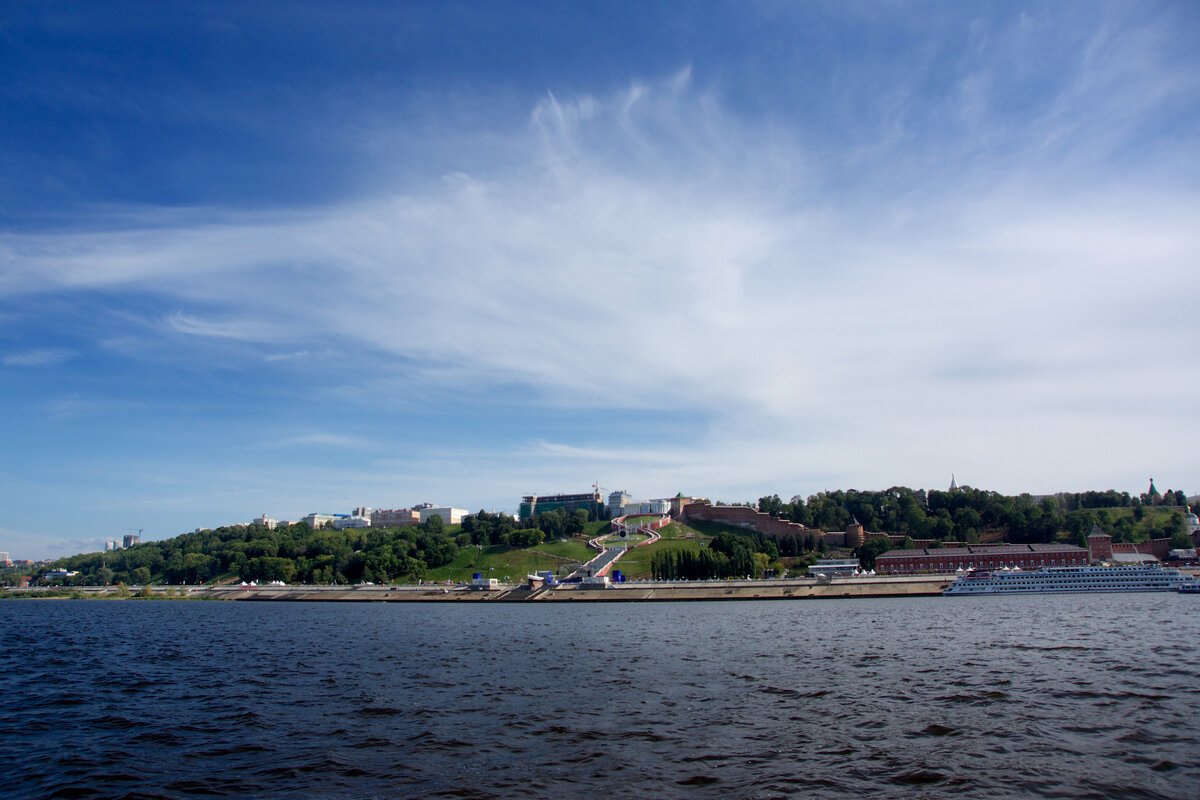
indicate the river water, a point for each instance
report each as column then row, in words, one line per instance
column 1078, row 696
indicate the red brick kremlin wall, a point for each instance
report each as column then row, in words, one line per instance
column 746, row 517
column 1159, row 548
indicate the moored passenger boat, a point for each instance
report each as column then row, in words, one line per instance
column 1050, row 580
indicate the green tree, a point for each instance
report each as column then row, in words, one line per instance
column 1180, row 540
column 1122, row 530
column 943, row 525
column 525, row 537
column 272, row 569
column 1168, row 527
column 770, row 505
column 553, row 523
column 799, row 513
column 576, row 522
column 871, row 549
column 737, row 549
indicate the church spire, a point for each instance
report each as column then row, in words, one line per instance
column 954, row 486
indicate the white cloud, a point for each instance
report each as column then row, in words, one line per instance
column 320, row 439
column 299, row 354
column 41, row 357
column 250, row 330
column 651, row 250
column 35, row 546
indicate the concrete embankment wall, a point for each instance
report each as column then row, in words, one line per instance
column 756, row 590
column 631, row 592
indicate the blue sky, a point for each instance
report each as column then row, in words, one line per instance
column 296, row 257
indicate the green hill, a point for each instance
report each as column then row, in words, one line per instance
column 492, row 544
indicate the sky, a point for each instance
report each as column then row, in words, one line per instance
column 281, row 258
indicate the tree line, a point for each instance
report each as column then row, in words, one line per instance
column 298, row 554
column 965, row 514
column 728, row 555
column 500, row 529
column 292, row 553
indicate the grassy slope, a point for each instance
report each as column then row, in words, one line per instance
column 636, row 564
column 1154, row 514
column 573, row 549
column 643, row 519
column 499, row 561
column 676, row 536
column 691, row 530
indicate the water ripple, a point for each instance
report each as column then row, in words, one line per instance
column 996, row 697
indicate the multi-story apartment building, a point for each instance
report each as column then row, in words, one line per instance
column 531, row 504
column 394, row 517
column 449, row 515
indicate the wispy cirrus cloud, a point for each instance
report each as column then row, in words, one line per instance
column 598, row 455
column 321, row 439
column 298, row 354
column 970, row 251
column 252, row 330
column 647, row 229
column 41, row 357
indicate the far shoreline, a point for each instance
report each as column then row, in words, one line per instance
column 640, row 591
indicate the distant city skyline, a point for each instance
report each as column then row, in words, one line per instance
column 268, row 257
column 95, row 544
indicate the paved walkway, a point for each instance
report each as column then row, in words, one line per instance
column 600, row 565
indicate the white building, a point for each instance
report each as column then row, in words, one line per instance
column 266, row 522
column 317, row 521
column 61, row 573
column 617, row 502
column 342, row 523
column 449, row 515
column 647, row 507
column 622, row 504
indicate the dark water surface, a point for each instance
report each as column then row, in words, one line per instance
column 1052, row 696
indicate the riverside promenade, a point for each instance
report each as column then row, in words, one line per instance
column 638, row 591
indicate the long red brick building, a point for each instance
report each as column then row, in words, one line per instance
column 948, row 558
column 981, row 556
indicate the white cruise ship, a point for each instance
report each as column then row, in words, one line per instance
column 1049, row 580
